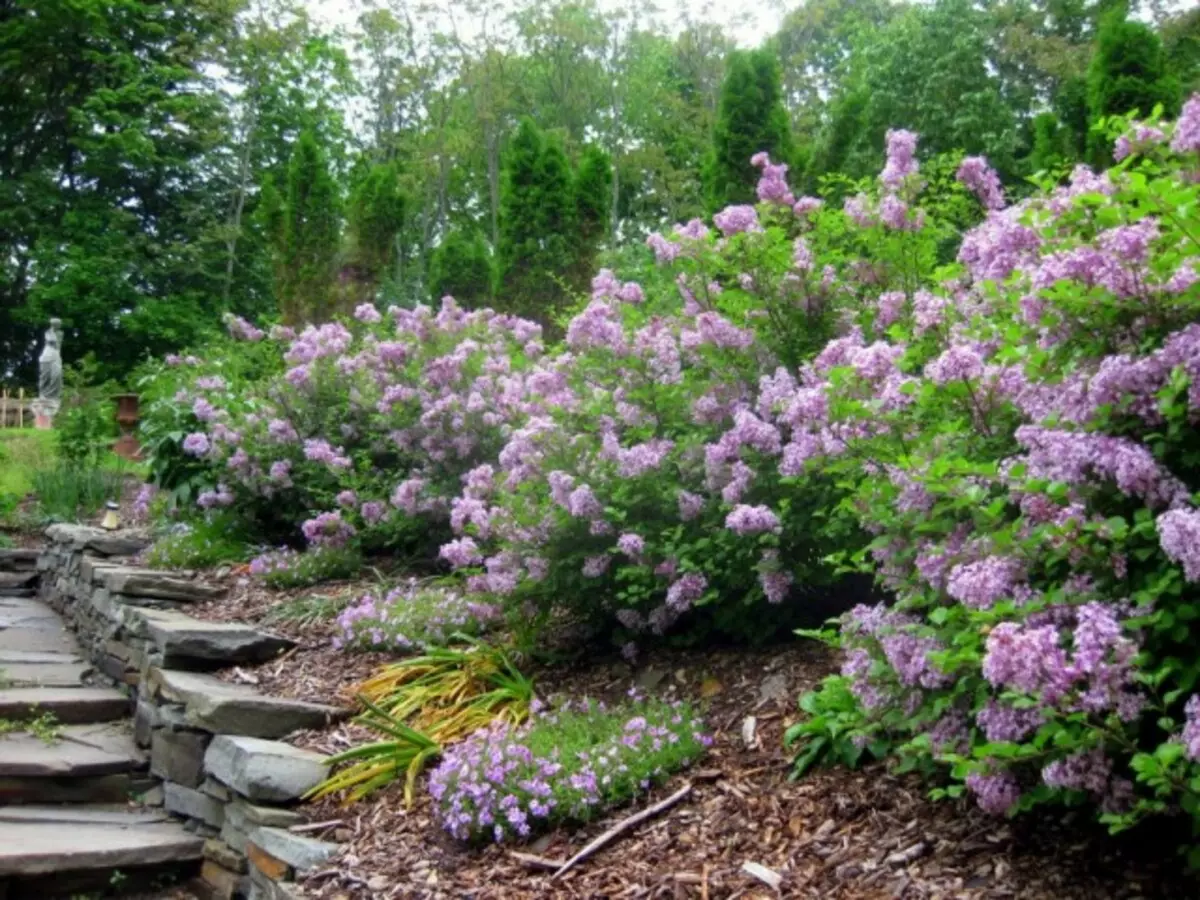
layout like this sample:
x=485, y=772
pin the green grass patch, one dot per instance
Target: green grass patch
x=309, y=610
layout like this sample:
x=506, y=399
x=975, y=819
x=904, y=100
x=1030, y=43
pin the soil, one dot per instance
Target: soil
x=836, y=834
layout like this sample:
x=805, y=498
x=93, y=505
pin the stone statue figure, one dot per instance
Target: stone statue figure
x=50, y=374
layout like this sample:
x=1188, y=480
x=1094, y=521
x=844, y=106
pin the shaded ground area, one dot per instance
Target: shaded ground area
x=835, y=834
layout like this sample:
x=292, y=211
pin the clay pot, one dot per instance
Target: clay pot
x=127, y=445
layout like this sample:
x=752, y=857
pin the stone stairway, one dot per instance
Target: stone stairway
x=84, y=755
x=123, y=760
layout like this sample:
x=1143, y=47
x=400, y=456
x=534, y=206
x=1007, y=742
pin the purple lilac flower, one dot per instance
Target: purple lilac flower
x=686, y=590
x=996, y=793
x=461, y=553
x=889, y=307
x=366, y=312
x=328, y=529
x=1004, y=722
x=736, y=220
x=901, y=162
x=746, y=520
x=1191, y=728
x=1085, y=771
x=982, y=180
x=1187, y=127
x=806, y=206
x=980, y=584
x=1179, y=536
x=373, y=511
x=196, y=444
x=240, y=329
x=632, y=545
x=595, y=566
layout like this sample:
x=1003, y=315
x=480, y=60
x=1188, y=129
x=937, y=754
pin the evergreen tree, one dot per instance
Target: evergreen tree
x=536, y=219
x=1128, y=72
x=377, y=215
x=1053, y=145
x=593, y=203
x=461, y=267
x=307, y=236
x=750, y=118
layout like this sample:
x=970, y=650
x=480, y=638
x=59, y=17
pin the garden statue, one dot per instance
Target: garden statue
x=50, y=377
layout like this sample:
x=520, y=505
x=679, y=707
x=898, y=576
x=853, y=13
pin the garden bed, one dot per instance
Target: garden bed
x=834, y=834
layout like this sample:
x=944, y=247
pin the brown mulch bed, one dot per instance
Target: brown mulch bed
x=836, y=834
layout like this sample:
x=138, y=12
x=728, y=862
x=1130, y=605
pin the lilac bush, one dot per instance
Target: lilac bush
x=1020, y=442
x=568, y=764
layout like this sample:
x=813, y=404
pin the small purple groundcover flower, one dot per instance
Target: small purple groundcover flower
x=566, y=764
x=411, y=616
x=286, y=567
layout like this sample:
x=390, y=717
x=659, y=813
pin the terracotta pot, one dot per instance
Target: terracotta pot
x=127, y=417
x=127, y=409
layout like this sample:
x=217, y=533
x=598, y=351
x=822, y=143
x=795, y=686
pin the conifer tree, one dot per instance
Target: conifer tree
x=307, y=236
x=377, y=215
x=461, y=267
x=750, y=117
x=1128, y=72
x=593, y=213
x=536, y=221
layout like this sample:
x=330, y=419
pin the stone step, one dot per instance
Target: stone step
x=79, y=751
x=69, y=706
x=134, y=582
x=222, y=707
x=17, y=580
x=19, y=560
x=64, y=673
x=36, y=840
x=188, y=643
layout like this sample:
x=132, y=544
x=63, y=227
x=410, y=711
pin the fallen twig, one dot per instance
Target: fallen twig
x=315, y=826
x=623, y=826
x=538, y=862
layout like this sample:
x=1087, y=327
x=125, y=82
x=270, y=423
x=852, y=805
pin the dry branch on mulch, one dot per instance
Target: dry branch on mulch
x=835, y=835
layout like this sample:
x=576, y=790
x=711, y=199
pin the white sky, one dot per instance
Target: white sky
x=748, y=27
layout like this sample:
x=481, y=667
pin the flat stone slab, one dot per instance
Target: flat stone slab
x=10, y=657
x=16, y=580
x=19, y=560
x=156, y=585
x=184, y=640
x=61, y=674
x=264, y=770
x=37, y=841
x=299, y=852
x=82, y=750
x=70, y=706
x=224, y=708
x=48, y=637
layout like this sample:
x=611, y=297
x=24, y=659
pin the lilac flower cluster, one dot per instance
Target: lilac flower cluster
x=564, y=765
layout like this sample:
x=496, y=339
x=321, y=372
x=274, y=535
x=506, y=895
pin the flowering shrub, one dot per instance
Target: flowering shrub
x=360, y=432
x=505, y=782
x=1021, y=444
x=410, y=617
x=191, y=545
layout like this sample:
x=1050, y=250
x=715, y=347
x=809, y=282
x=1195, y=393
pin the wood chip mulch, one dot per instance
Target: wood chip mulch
x=836, y=834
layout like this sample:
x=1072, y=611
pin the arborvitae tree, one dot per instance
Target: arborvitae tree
x=593, y=208
x=1053, y=145
x=750, y=117
x=1128, y=72
x=307, y=236
x=519, y=198
x=377, y=214
x=461, y=267
x=536, y=222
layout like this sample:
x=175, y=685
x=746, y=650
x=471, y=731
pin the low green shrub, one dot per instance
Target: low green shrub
x=412, y=616
x=565, y=765
x=196, y=545
x=288, y=568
